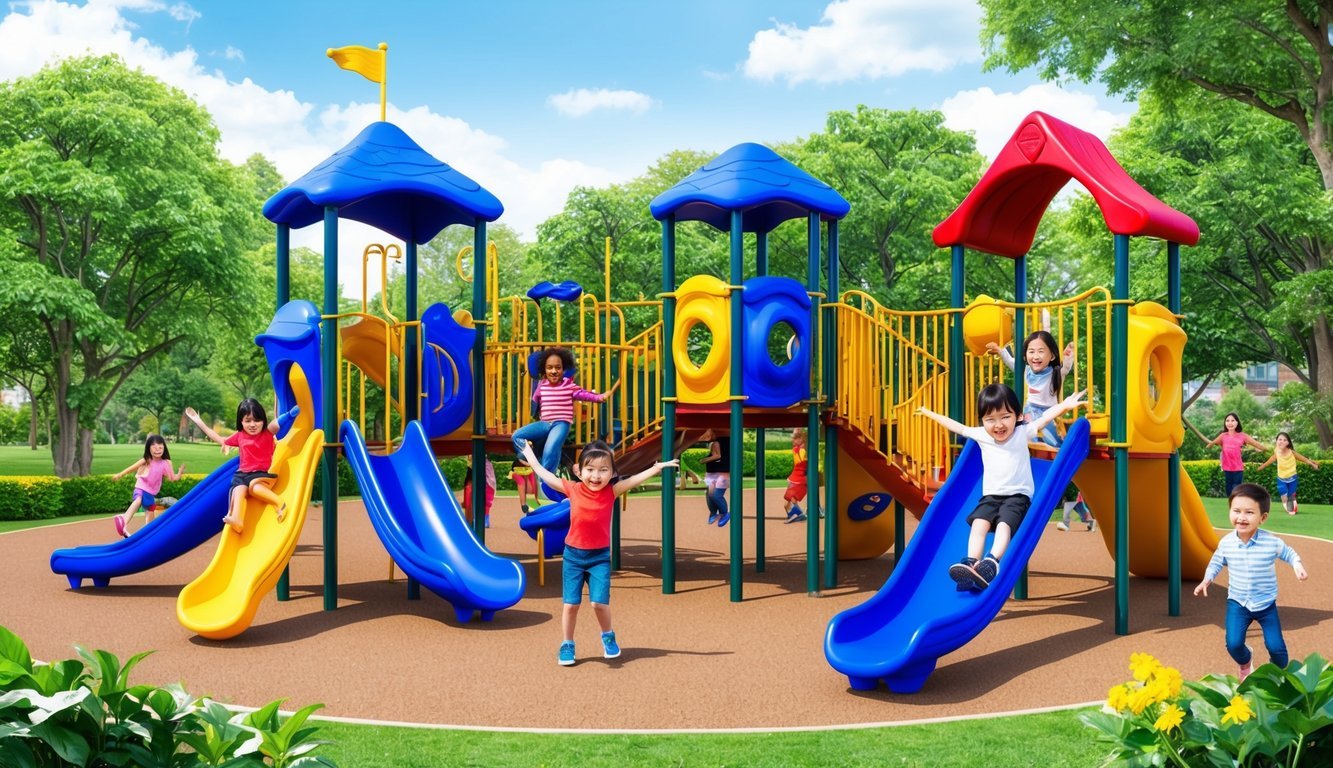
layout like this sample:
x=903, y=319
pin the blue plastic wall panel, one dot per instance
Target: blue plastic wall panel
x=769, y=301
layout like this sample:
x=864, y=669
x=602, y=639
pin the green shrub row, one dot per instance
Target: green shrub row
x=1316, y=485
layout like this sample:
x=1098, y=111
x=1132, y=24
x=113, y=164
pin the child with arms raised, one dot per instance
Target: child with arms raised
x=149, y=471
x=587, y=556
x=254, y=437
x=1286, y=458
x=555, y=395
x=1041, y=378
x=1250, y=554
x=1233, y=440
x=1006, y=480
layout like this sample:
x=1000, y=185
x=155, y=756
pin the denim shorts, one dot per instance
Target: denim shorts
x=1287, y=487
x=590, y=566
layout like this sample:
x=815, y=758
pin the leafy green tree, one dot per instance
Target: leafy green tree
x=1275, y=59
x=125, y=229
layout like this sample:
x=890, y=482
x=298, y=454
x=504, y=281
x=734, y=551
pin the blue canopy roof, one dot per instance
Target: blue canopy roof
x=755, y=180
x=385, y=179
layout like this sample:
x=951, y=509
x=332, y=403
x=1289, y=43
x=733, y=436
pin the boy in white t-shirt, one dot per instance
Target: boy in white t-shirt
x=1006, y=476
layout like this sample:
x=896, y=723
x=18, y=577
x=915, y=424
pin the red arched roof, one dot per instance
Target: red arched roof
x=1001, y=213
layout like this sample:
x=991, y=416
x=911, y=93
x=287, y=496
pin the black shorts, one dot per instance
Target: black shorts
x=243, y=479
x=1001, y=509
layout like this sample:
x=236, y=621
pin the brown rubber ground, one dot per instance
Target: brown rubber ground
x=692, y=660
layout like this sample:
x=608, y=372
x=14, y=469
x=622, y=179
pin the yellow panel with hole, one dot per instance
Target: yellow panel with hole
x=1153, y=403
x=703, y=300
x=984, y=322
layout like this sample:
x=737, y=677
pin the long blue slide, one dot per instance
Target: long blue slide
x=899, y=634
x=417, y=517
x=187, y=524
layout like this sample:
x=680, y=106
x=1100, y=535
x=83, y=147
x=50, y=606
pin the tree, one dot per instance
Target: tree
x=124, y=230
x=1275, y=59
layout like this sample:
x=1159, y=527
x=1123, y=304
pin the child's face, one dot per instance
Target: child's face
x=1231, y=423
x=798, y=439
x=596, y=472
x=1039, y=355
x=1245, y=516
x=156, y=449
x=555, y=369
x=1000, y=424
x=251, y=425
x=1283, y=441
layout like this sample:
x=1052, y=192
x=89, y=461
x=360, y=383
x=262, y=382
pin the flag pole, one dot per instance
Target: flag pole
x=384, y=85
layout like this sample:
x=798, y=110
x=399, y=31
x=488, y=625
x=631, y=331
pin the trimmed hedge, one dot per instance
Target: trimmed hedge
x=1316, y=485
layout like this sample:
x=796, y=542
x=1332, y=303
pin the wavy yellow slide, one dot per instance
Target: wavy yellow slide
x=222, y=602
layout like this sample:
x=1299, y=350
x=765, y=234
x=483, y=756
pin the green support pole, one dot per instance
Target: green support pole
x=956, y=383
x=812, y=419
x=1120, y=430
x=760, y=445
x=1020, y=363
x=668, y=404
x=737, y=436
x=479, y=310
x=615, y=535
x=285, y=295
x=412, y=377
x=899, y=532
x=1173, y=464
x=829, y=355
x=329, y=335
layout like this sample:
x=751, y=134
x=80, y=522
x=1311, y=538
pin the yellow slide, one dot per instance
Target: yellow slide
x=221, y=603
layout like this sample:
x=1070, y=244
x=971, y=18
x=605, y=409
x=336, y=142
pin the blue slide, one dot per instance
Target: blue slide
x=416, y=516
x=187, y=524
x=552, y=518
x=918, y=616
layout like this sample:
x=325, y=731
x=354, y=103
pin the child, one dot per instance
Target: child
x=525, y=481
x=149, y=471
x=587, y=557
x=1249, y=552
x=555, y=396
x=1042, y=380
x=1006, y=479
x=490, y=491
x=1286, y=458
x=717, y=478
x=1079, y=506
x=1233, y=440
x=255, y=440
x=797, y=481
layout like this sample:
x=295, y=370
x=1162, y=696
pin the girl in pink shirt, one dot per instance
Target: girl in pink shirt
x=1233, y=440
x=149, y=471
x=254, y=437
x=554, y=396
x=587, y=556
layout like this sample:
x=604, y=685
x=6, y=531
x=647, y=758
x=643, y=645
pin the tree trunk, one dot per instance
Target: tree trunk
x=32, y=422
x=1321, y=374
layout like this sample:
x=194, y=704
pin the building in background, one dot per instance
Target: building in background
x=14, y=397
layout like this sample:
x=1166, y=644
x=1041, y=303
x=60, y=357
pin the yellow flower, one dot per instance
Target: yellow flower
x=1171, y=679
x=1143, y=665
x=1238, y=711
x=1118, y=697
x=1169, y=719
x=1140, y=700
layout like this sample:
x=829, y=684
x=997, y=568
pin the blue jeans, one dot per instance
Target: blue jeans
x=1233, y=478
x=1238, y=620
x=717, y=501
x=547, y=438
x=1048, y=434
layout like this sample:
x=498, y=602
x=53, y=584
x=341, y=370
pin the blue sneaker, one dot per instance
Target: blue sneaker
x=712, y=518
x=566, y=657
x=724, y=519
x=609, y=647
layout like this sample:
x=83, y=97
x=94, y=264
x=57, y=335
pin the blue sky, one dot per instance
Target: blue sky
x=531, y=97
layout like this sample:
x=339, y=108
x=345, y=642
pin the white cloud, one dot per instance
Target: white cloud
x=233, y=53
x=581, y=101
x=868, y=39
x=295, y=135
x=993, y=117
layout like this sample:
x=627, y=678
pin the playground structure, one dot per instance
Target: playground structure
x=458, y=382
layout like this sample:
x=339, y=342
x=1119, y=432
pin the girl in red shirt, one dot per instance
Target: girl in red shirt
x=587, y=557
x=254, y=437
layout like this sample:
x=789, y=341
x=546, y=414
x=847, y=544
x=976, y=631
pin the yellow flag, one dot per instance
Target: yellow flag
x=367, y=62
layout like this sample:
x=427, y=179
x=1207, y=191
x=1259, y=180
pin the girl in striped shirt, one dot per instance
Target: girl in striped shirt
x=555, y=395
x=1249, y=554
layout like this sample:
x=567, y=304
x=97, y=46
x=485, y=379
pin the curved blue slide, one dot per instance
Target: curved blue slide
x=552, y=518
x=416, y=516
x=918, y=616
x=187, y=524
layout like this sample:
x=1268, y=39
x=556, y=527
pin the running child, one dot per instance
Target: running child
x=717, y=478
x=798, y=481
x=254, y=438
x=1233, y=440
x=1040, y=377
x=490, y=491
x=587, y=556
x=148, y=471
x=1286, y=458
x=525, y=481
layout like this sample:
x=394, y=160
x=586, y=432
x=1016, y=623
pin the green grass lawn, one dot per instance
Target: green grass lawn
x=199, y=458
x=1314, y=519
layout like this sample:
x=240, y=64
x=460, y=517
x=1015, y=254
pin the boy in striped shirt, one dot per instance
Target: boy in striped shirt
x=1250, y=554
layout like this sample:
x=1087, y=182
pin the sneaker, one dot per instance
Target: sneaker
x=1061, y=527
x=566, y=657
x=120, y=526
x=526, y=510
x=609, y=647
x=712, y=518
x=965, y=577
x=986, y=570
x=1092, y=525
x=724, y=519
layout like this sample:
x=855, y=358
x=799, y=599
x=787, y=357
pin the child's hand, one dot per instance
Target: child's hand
x=1069, y=349
x=659, y=466
x=1300, y=572
x=191, y=414
x=181, y=471
x=992, y=348
x=227, y=449
x=1202, y=589
x=117, y=476
x=1073, y=401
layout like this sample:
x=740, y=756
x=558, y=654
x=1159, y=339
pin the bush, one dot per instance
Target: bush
x=85, y=712
x=777, y=463
x=1316, y=484
x=30, y=498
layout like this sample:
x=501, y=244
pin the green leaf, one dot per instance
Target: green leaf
x=14, y=651
x=66, y=742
